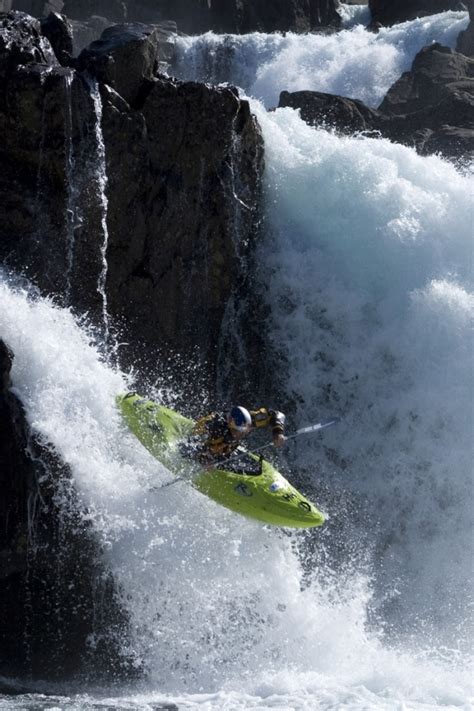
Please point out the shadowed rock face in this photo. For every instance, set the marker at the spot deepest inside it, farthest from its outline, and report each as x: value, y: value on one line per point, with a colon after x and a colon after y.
x: 123, y: 58
x: 193, y: 220
x: 236, y: 16
x: 46, y: 625
x: 388, y: 12
x: 431, y: 107
x: 183, y: 166
x: 58, y: 30
x: 465, y: 43
x: 320, y: 109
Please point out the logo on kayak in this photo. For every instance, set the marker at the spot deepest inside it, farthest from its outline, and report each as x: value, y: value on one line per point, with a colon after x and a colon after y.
x: 276, y: 485
x: 243, y: 490
x: 305, y: 506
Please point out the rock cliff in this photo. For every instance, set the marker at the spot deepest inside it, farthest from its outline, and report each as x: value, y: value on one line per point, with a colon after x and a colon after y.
x: 125, y: 193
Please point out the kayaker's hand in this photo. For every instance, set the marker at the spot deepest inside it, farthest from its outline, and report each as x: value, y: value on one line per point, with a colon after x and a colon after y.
x: 278, y: 440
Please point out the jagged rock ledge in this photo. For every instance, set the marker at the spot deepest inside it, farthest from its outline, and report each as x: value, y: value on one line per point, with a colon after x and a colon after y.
x: 110, y: 159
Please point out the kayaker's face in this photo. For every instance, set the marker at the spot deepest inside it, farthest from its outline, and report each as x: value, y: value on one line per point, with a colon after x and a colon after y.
x: 237, y: 434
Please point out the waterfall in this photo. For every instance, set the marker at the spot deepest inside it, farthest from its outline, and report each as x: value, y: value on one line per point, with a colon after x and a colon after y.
x: 263, y: 65
x: 370, y: 283
x: 367, y: 266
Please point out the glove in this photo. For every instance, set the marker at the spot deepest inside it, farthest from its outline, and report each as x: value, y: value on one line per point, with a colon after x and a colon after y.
x: 278, y: 439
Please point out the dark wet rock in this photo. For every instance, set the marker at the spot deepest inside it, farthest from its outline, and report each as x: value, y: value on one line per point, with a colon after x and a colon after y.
x: 278, y: 16
x: 127, y: 56
x: 236, y: 16
x: 43, y: 135
x: 58, y: 30
x: 437, y: 74
x: 191, y: 17
x: 436, y: 94
x: 332, y: 111
x: 465, y: 43
x: 124, y: 57
x: 192, y: 213
x: 387, y: 12
x: 22, y: 43
x: 184, y: 166
x: 431, y: 107
x: 59, y: 610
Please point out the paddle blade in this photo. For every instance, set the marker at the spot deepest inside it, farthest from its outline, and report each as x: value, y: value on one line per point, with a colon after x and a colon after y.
x: 319, y: 426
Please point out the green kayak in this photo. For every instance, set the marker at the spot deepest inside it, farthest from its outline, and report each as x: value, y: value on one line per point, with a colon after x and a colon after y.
x: 248, y: 484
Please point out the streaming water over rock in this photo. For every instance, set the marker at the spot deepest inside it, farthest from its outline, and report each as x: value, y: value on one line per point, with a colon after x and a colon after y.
x: 100, y: 176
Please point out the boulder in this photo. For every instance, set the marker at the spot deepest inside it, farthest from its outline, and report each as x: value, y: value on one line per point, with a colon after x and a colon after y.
x: 438, y: 74
x: 189, y: 194
x: 436, y: 94
x: 279, y: 16
x: 331, y: 111
x: 125, y: 57
x: 84, y: 32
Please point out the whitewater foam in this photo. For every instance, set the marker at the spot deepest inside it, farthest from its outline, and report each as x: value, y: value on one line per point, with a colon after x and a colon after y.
x: 370, y: 280
x: 355, y: 63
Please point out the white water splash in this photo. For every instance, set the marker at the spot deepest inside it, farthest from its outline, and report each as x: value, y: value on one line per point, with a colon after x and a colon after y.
x: 370, y: 280
x: 354, y: 63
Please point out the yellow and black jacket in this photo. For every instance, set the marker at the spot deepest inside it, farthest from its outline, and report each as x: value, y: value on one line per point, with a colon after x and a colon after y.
x: 216, y: 437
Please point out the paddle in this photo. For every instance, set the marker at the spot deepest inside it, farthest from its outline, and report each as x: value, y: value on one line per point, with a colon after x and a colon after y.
x: 303, y: 430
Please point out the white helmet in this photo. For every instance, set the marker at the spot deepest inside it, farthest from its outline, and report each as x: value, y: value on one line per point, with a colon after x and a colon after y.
x: 239, y: 419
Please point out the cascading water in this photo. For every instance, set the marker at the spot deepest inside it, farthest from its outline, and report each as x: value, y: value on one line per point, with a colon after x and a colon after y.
x: 367, y: 262
x: 216, y: 602
x: 370, y: 281
x: 264, y: 65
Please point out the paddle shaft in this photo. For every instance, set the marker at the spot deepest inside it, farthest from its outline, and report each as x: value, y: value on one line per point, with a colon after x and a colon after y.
x: 302, y: 430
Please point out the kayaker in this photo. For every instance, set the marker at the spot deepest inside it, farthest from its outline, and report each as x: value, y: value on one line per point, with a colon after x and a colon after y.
x: 219, y: 434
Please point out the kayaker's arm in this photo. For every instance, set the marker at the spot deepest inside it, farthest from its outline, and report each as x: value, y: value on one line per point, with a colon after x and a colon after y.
x: 264, y: 417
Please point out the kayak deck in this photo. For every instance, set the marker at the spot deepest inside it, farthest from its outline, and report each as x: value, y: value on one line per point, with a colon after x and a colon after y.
x: 251, y: 486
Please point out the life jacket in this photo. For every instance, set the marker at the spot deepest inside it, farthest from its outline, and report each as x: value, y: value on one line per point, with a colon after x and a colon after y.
x: 219, y: 441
